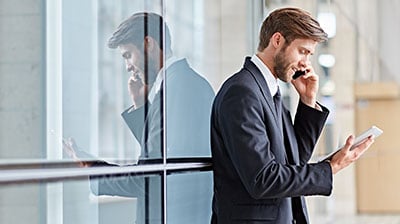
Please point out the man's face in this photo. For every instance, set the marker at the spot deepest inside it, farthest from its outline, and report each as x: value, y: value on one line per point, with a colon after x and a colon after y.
x: 293, y: 57
x: 140, y: 63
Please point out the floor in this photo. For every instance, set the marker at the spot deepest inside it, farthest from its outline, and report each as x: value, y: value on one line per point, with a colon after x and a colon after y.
x: 356, y: 219
x: 339, y: 210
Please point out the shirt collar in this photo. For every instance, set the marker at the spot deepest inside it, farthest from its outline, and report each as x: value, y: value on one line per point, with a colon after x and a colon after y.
x: 272, y: 82
x: 157, y: 83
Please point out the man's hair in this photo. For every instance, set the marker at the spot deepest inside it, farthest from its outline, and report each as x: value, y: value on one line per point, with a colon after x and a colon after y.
x: 292, y: 23
x: 134, y: 29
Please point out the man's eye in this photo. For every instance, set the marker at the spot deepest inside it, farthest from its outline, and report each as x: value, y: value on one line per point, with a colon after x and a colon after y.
x: 126, y: 55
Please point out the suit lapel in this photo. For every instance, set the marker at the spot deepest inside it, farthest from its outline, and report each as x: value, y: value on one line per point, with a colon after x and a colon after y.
x: 288, y: 136
x: 260, y: 80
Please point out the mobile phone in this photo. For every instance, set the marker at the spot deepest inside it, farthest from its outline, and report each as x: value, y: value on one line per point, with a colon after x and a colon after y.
x: 298, y: 74
x: 373, y: 130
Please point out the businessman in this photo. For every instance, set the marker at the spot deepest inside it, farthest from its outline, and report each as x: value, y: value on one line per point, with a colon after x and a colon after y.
x: 260, y: 157
x: 144, y: 42
x: 188, y: 95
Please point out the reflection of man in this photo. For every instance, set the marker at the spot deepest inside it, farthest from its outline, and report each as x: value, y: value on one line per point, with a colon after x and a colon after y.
x: 188, y: 99
x: 260, y: 158
x: 188, y: 95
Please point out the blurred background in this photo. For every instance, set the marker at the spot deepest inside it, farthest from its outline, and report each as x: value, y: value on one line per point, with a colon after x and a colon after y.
x: 59, y: 79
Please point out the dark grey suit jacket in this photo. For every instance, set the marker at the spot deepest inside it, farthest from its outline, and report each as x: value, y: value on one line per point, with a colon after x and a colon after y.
x: 260, y: 175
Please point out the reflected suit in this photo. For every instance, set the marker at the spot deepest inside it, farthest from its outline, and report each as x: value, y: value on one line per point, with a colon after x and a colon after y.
x: 188, y: 105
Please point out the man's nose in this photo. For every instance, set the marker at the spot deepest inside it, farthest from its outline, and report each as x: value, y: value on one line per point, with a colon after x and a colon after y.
x: 305, y: 60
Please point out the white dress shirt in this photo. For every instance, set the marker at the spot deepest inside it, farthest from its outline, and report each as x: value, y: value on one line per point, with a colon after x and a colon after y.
x: 272, y: 82
x: 157, y: 83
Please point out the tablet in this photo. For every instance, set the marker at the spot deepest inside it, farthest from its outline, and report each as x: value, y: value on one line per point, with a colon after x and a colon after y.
x: 375, y: 131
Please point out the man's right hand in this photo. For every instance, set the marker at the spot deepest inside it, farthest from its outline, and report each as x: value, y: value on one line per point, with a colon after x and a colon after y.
x: 137, y: 90
x: 345, y: 156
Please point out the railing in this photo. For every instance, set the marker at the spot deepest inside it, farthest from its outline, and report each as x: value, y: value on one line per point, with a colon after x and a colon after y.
x: 48, y: 171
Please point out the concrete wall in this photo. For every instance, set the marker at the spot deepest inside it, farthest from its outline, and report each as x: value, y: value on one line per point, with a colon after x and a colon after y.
x: 22, y: 102
x: 22, y: 80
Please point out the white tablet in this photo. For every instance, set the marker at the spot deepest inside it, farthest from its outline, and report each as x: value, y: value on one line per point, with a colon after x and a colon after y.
x: 375, y: 131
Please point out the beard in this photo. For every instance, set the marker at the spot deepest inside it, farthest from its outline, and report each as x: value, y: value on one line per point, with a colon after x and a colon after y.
x: 281, y: 65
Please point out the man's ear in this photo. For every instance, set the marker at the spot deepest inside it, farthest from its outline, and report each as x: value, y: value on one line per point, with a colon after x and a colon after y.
x: 277, y: 40
x: 149, y: 42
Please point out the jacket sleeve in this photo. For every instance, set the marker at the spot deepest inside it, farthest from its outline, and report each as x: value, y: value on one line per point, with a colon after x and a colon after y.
x: 308, y: 125
x: 125, y: 185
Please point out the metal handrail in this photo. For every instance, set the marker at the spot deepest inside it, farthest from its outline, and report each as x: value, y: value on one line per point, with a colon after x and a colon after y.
x: 59, y: 171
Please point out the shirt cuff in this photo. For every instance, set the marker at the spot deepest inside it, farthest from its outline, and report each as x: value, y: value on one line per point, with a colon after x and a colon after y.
x: 318, y: 107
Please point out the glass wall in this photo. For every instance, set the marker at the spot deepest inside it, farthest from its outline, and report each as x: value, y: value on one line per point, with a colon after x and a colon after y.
x: 105, y: 114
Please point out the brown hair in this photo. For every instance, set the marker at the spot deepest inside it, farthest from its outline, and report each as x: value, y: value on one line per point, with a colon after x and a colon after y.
x: 134, y: 29
x: 292, y: 23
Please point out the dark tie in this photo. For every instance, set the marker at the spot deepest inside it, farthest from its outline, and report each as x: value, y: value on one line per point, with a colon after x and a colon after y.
x: 278, y: 104
x: 278, y: 108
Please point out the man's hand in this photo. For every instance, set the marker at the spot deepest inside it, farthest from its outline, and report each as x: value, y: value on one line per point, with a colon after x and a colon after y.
x: 307, y: 86
x: 137, y: 90
x: 345, y: 156
x: 70, y: 148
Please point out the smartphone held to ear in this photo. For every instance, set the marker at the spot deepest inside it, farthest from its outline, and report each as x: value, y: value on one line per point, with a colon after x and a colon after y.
x: 298, y: 74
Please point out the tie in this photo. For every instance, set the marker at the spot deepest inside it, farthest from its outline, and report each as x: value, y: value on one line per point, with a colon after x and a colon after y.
x: 278, y: 108
x: 278, y: 104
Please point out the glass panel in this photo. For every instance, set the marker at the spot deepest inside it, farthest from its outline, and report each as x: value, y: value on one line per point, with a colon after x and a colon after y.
x: 124, y: 199
x: 140, y: 199
x: 108, y: 68
x: 106, y: 74
x: 22, y: 204
x: 189, y: 94
x: 22, y: 85
x: 189, y: 198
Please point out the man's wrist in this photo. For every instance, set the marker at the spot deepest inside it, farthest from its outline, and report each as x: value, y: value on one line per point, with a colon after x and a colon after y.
x: 138, y: 103
x: 308, y: 101
x: 312, y: 104
x: 333, y: 167
x: 318, y: 107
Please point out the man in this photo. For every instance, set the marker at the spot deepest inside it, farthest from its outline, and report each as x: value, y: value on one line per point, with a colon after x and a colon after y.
x: 144, y: 42
x: 188, y: 99
x: 188, y: 95
x: 260, y: 158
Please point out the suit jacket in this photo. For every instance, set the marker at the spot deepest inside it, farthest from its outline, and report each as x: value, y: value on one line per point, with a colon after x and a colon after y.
x: 261, y: 172
x: 188, y: 106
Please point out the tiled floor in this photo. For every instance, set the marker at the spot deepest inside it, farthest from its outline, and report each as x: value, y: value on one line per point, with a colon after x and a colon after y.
x: 329, y: 210
x: 356, y: 219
